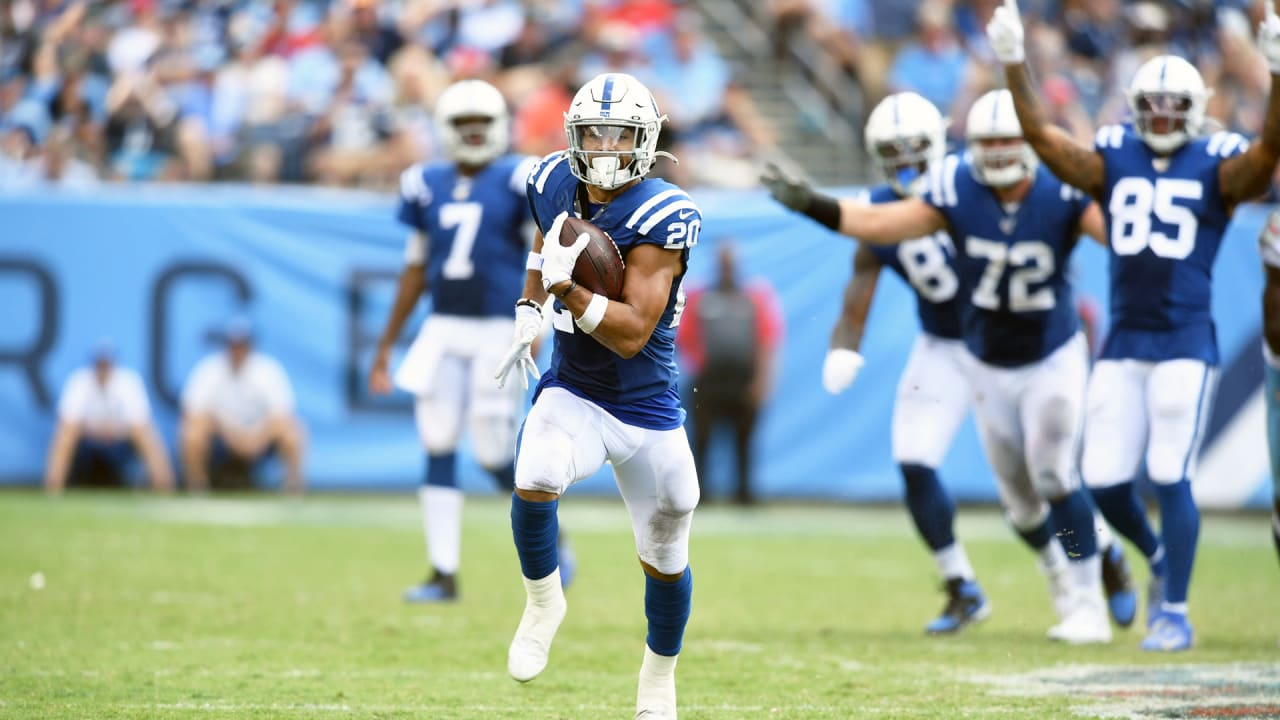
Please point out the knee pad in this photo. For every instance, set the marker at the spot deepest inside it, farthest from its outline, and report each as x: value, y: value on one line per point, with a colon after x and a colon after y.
x: 439, y: 425
x: 545, y: 462
x: 1025, y: 514
x: 493, y: 439
x: 664, y: 541
x: 1053, y: 484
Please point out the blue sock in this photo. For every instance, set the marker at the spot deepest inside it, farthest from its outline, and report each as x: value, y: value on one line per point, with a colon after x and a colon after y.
x: 534, y: 527
x: 1120, y: 506
x: 667, y: 605
x: 1073, y: 519
x: 441, y: 470
x: 1180, y: 529
x: 505, y: 476
x: 931, y: 507
x: 1038, y: 536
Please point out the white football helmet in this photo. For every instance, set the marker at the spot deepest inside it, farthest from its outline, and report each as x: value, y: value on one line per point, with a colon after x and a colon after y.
x: 905, y: 134
x: 992, y: 117
x: 473, y: 122
x: 1168, y: 99
x: 613, y: 125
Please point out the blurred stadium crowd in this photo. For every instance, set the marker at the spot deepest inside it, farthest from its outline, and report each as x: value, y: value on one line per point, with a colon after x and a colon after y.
x: 340, y: 92
x: 336, y: 92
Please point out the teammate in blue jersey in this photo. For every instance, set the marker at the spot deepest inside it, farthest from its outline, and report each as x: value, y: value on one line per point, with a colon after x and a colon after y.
x: 470, y: 233
x: 906, y: 135
x: 1269, y: 244
x: 610, y: 393
x: 1015, y: 225
x: 1168, y: 193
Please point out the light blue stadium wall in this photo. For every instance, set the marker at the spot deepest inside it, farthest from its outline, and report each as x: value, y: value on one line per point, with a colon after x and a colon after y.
x: 299, y: 253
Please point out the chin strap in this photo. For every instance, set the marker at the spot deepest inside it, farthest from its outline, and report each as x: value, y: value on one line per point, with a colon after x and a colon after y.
x: 665, y: 154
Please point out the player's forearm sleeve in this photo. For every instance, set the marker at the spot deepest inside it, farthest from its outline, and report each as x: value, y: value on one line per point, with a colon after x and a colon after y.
x: 825, y: 210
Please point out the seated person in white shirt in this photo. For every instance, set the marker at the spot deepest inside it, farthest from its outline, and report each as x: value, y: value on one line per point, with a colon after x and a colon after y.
x: 104, y: 418
x: 237, y: 407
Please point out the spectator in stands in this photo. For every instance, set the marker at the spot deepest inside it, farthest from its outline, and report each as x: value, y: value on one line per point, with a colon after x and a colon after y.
x: 141, y: 131
x: 713, y: 122
x: 933, y: 63
x: 237, y: 406
x: 347, y: 131
x: 104, y: 418
x: 729, y: 337
x: 251, y: 128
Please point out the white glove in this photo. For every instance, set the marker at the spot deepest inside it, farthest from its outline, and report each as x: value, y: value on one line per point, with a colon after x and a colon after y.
x: 839, y: 369
x: 528, y: 325
x: 1004, y: 32
x: 1269, y: 38
x: 558, y: 260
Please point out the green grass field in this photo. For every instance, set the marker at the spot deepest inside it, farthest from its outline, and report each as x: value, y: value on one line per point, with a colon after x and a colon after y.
x: 261, y: 607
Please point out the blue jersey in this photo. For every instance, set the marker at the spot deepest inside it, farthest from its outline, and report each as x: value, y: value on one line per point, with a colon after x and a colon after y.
x: 1165, y: 219
x: 477, y: 233
x: 640, y: 390
x: 1012, y: 262
x: 927, y: 264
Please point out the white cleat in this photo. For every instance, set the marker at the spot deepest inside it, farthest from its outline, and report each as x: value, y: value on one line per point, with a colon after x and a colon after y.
x: 1086, y: 623
x: 544, y: 610
x: 656, y: 696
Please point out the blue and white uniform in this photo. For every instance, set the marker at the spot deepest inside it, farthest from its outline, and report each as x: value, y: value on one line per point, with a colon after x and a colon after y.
x: 934, y: 391
x: 593, y: 405
x: 471, y: 237
x: 1153, y: 386
x: 1021, y: 328
x: 640, y: 390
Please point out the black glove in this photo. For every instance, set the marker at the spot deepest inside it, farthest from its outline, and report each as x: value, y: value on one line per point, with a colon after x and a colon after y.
x: 792, y: 192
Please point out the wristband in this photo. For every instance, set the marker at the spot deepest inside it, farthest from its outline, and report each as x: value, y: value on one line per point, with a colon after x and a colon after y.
x: 824, y: 209
x: 529, y: 303
x: 533, y: 262
x: 594, y: 313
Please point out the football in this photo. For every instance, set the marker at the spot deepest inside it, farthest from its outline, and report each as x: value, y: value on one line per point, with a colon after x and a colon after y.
x: 599, y: 268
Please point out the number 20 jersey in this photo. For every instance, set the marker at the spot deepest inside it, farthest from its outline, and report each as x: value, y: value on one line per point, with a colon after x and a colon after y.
x: 1165, y: 219
x: 477, y: 233
x: 639, y: 390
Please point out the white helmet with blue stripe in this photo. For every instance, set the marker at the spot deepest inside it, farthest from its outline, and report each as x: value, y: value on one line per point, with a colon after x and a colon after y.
x: 613, y: 125
x: 1168, y: 100
x: 999, y: 156
x: 905, y: 134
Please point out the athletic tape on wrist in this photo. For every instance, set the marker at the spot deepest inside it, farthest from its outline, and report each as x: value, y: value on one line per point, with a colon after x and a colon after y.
x: 594, y: 313
x: 533, y: 262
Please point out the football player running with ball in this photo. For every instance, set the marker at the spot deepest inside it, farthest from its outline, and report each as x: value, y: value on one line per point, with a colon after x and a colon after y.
x: 610, y: 393
x: 905, y: 136
x: 1168, y: 193
x: 1015, y: 225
